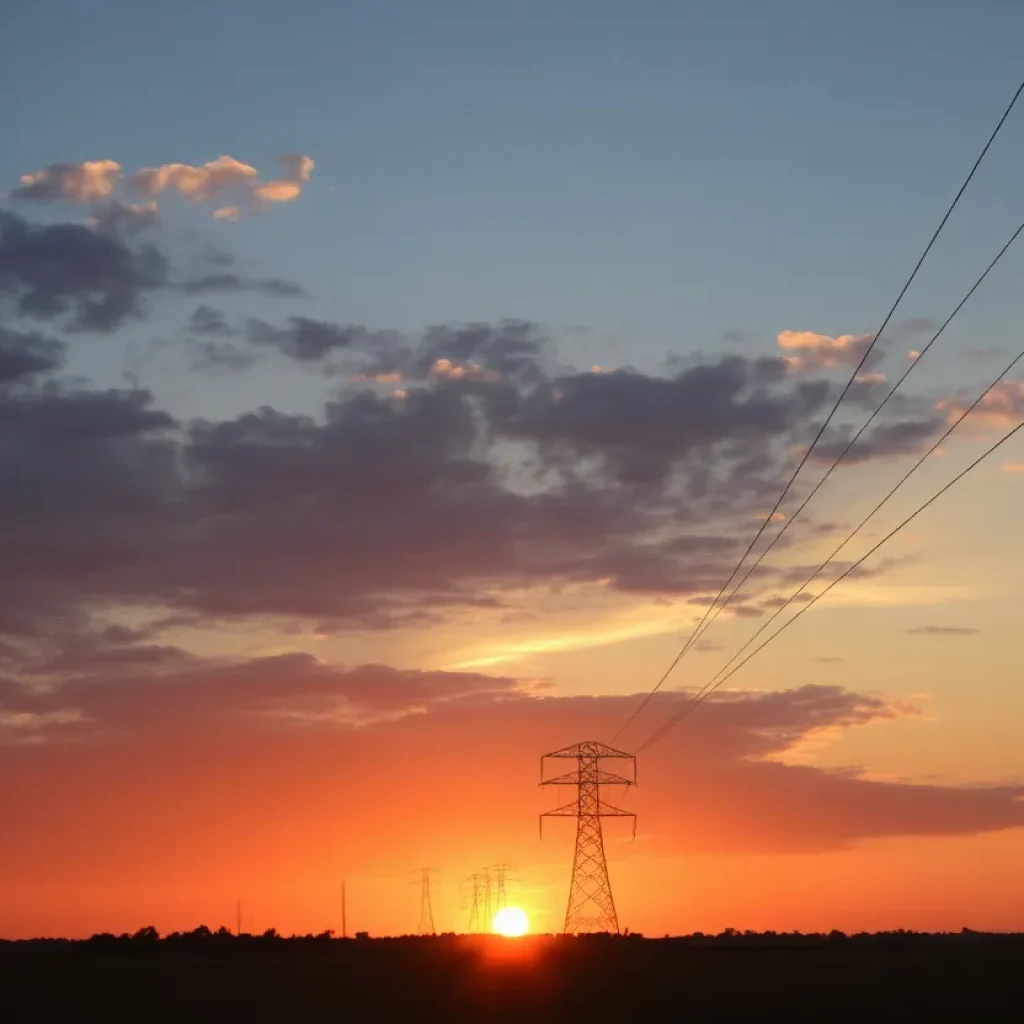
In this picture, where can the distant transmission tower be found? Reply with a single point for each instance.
(591, 907)
(501, 873)
(487, 924)
(479, 902)
(426, 908)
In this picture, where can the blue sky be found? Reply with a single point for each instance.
(656, 172)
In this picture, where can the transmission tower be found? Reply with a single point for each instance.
(591, 907)
(501, 873)
(426, 926)
(487, 924)
(479, 902)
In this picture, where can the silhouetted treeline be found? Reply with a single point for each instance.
(214, 975)
(205, 937)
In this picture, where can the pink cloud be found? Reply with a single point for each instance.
(454, 371)
(297, 169)
(224, 178)
(197, 184)
(814, 351)
(1002, 407)
(86, 182)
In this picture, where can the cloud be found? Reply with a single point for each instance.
(296, 169)
(916, 325)
(26, 355)
(74, 275)
(226, 176)
(901, 437)
(447, 369)
(118, 218)
(209, 332)
(820, 351)
(134, 687)
(290, 716)
(943, 631)
(306, 340)
(521, 478)
(297, 166)
(86, 182)
(228, 282)
(1002, 406)
(1013, 467)
(197, 184)
(233, 184)
(208, 321)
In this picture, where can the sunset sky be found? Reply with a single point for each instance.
(387, 387)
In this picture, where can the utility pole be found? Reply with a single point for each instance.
(591, 907)
(426, 926)
(344, 908)
(238, 917)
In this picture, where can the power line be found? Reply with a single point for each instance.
(690, 707)
(906, 373)
(711, 684)
(821, 568)
(828, 419)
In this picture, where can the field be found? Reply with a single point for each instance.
(200, 976)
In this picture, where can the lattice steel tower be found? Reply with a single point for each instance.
(480, 902)
(426, 926)
(591, 907)
(501, 878)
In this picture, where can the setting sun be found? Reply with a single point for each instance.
(511, 922)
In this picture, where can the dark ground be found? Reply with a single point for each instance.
(199, 977)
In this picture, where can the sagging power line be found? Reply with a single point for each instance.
(716, 680)
(715, 604)
(692, 705)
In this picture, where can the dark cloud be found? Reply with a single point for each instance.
(210, 323)
(394, 510)
(639, 427)
(137, 687)
(72, 274)
(88, 480)
(26, 355)
(943, 631)
(256, 717)
(306, 340)
(124, 219)
(916, 325)
(227, 282)
(902, 437)
(512, 349)
(209, 342)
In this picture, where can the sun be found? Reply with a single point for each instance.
(511, 922)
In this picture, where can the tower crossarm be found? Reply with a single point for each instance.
(601, 777)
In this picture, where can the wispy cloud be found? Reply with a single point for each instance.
(943, 631)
